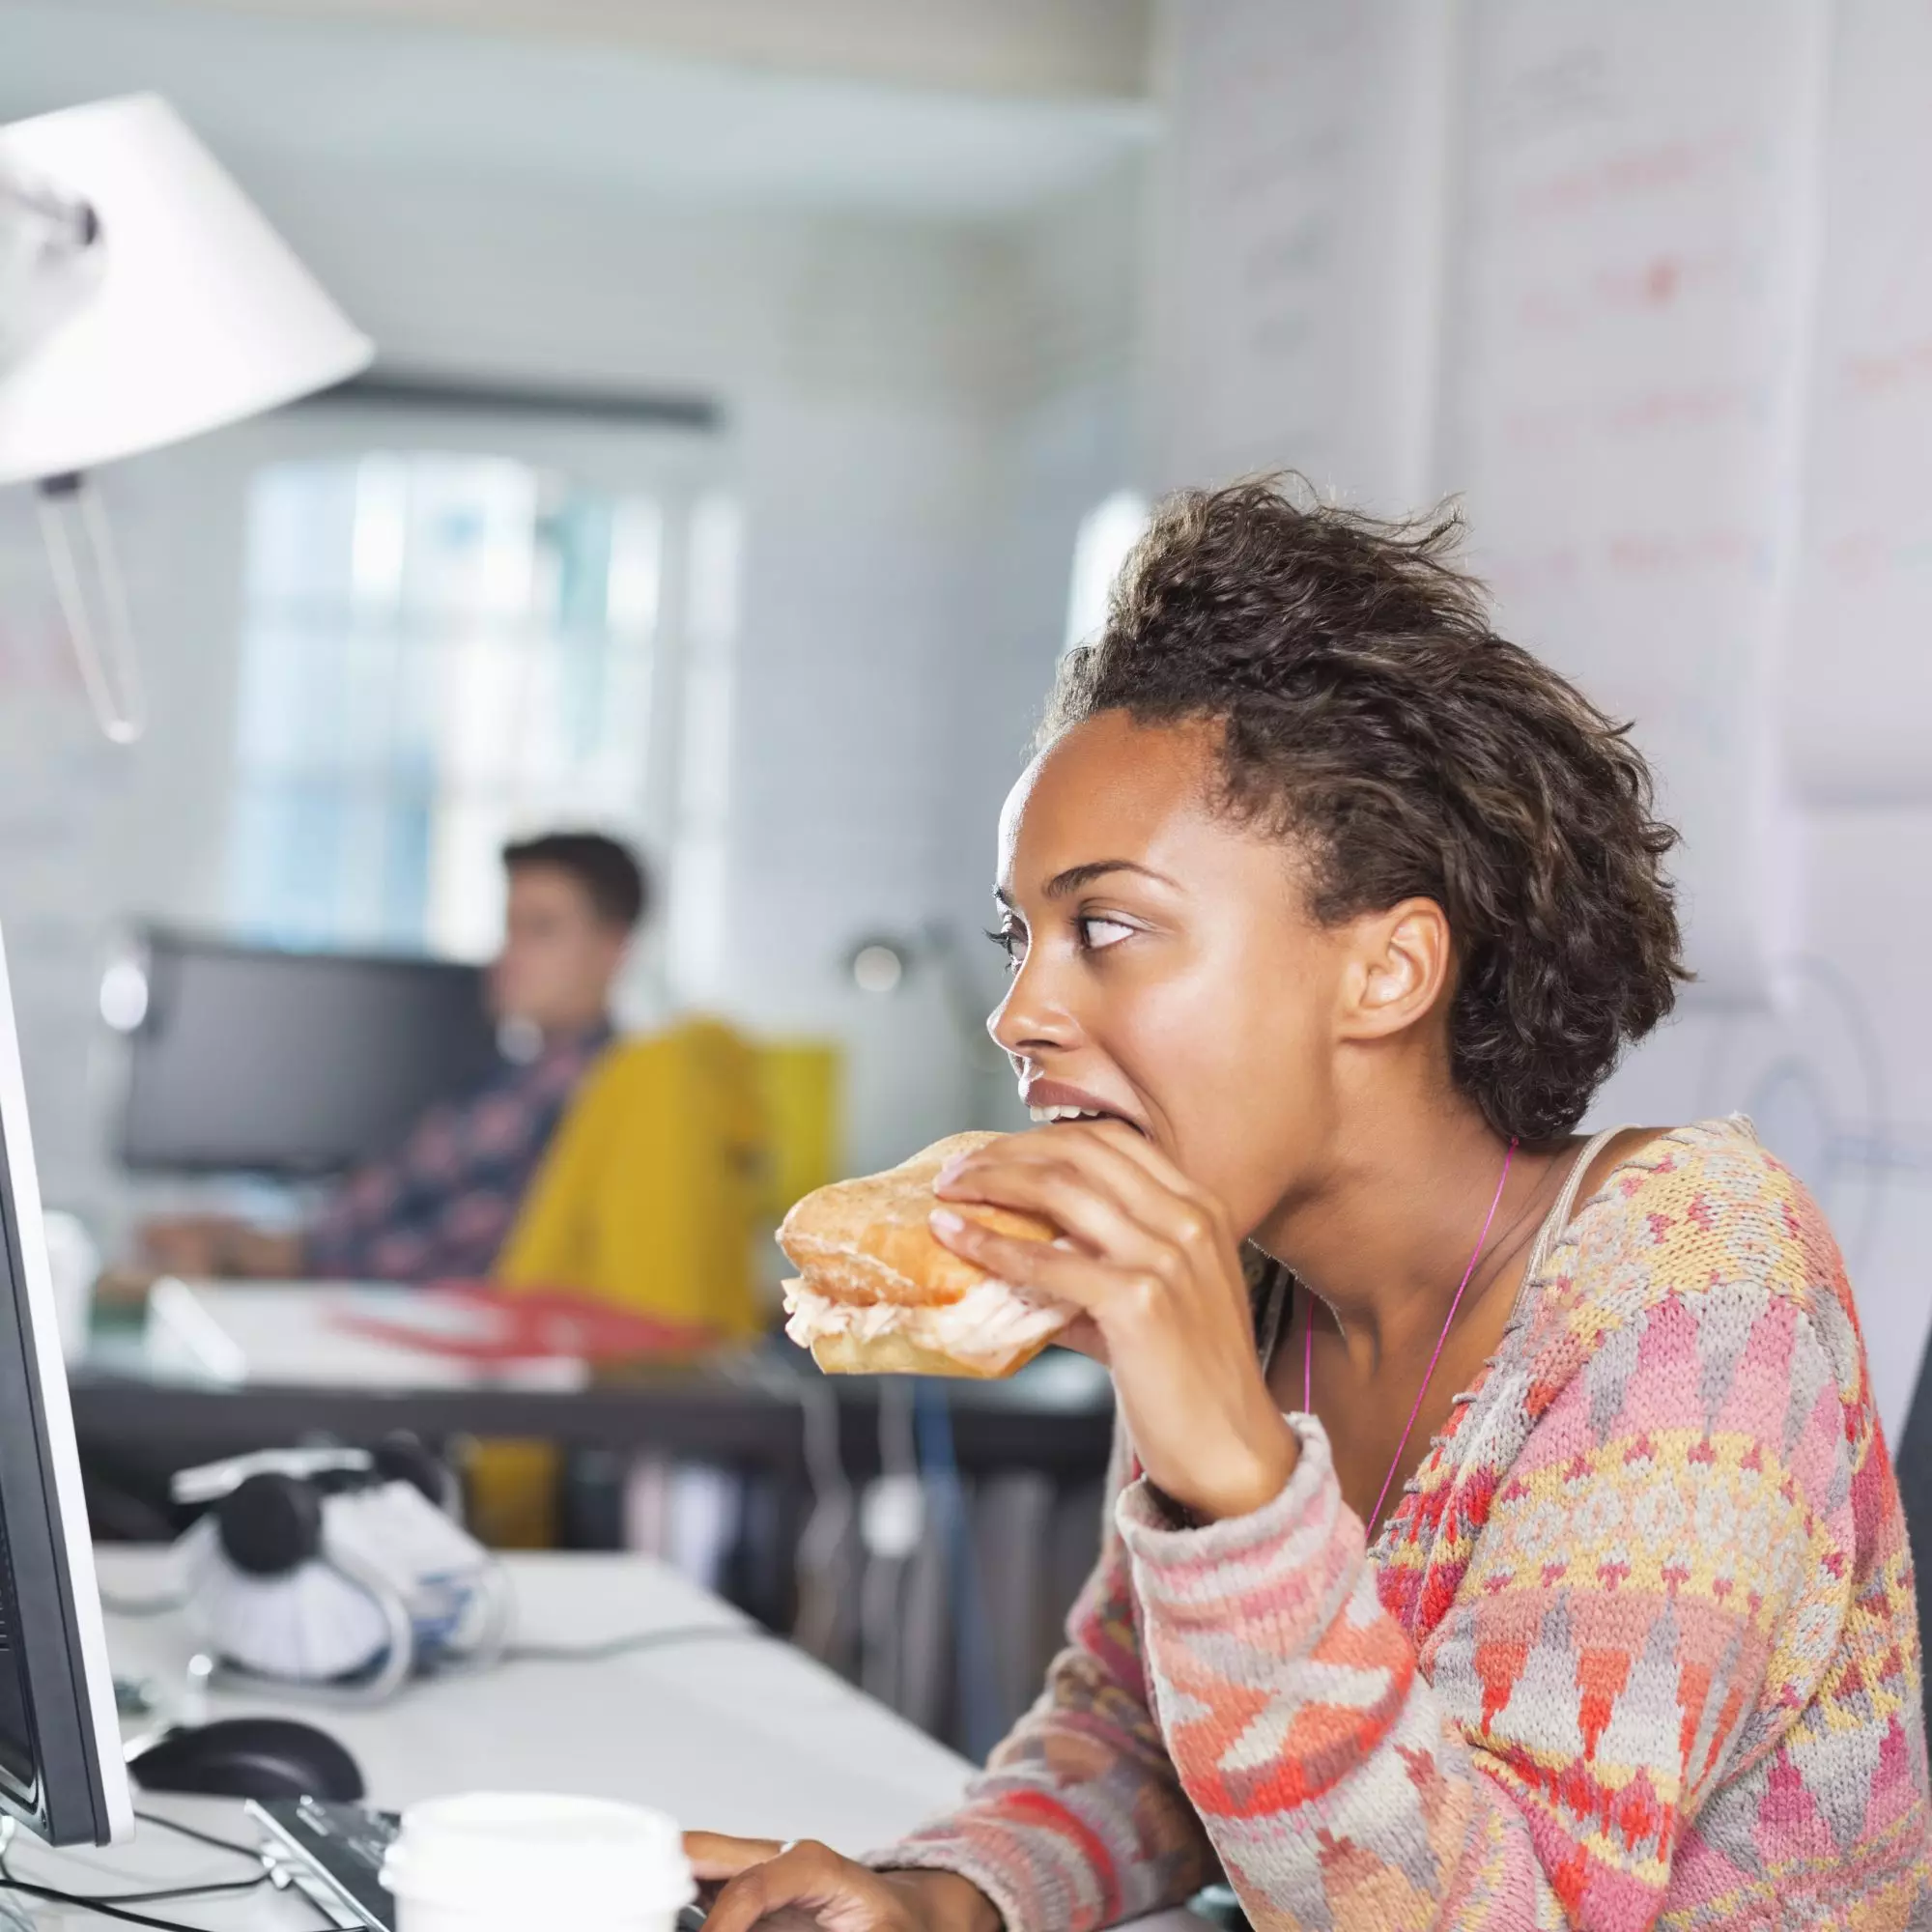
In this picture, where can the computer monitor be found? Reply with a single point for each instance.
(61, 1773)
(253, 1060)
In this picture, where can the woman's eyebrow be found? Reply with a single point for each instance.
(1063, 884)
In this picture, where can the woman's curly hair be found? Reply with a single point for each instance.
(1372, 714)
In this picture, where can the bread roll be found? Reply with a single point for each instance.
(880, 1296)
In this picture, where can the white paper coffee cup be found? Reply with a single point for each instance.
(503, 1862)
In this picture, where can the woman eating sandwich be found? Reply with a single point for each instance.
(1503, 1533)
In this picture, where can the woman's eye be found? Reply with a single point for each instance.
(1097, 934)
(1011, 940)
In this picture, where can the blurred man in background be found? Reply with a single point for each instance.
(439, 1207)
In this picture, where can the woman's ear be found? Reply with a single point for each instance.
(1398, 966)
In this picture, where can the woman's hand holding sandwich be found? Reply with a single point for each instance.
(1152, 1264)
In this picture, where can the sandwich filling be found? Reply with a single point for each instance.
(992, 1317)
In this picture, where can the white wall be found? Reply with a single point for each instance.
(1299, 287)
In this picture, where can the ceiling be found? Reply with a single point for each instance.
(996, 47)
(733, 102)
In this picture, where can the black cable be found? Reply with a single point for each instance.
(214, 1889)
(108, 1908)
(51, 1898)
(159, 1895)
(250, 1852)
(626, 1646)
(114, 1905)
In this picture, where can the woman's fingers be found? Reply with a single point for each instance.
(1099, 1184)
(1090, 1215)
(1136, 1148)
(1106, 1154)
(807, 1883)
(1132, 1240)
(1045, 1267)
(714, 1855)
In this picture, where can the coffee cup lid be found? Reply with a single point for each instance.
(494, 1848)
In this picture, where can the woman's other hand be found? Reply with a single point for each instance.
(201, 1247)
(190, 1245)
(1153, 1262)
(810, 1885)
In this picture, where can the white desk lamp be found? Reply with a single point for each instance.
(143, 300)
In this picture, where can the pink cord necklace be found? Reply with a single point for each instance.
(1308, 1347)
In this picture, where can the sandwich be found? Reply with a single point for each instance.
(877, 1294)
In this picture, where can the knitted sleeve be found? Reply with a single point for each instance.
(1660, 1579)
(1079, 1819)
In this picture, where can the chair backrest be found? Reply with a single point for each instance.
(803, 1082)
(651, 1192)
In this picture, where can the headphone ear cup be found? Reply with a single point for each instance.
(269, 1524)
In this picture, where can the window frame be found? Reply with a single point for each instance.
(686, 469)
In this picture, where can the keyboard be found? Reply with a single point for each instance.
(334, 1855)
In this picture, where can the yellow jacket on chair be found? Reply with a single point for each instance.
(648, 1198)
(650, 1193)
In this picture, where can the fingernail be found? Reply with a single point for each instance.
(950, 1171)
(943, 1221)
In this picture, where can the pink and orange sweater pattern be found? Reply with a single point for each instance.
(1638, 1649)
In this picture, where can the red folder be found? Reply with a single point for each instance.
(477, 1322)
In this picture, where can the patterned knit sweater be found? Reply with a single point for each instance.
(1639, 1648)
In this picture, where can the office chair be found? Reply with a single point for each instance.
(1912, 1463)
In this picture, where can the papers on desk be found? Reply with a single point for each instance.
(327, 1335)
(362, 1335)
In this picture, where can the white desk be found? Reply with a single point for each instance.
(740, 1735)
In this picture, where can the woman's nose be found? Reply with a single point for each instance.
(1030, 1018)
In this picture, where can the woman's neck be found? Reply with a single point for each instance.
(1385, 1235)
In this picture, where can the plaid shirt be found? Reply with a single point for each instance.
(441, 1206)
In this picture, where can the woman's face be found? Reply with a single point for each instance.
(1165, 970)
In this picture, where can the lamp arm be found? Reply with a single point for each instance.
(73, 517)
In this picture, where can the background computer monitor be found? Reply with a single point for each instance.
(253, 1060)
(61, 1767)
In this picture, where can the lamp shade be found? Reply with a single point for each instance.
(199, 316)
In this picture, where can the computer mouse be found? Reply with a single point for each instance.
(249, 1757)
